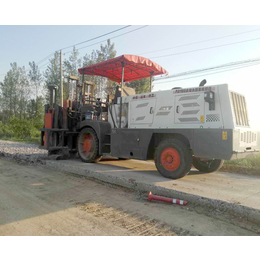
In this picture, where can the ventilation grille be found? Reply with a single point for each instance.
(142, 105)
(191, 105)
(163, 113)
(140, 118)
(248, 137)
(166, 108)
(213, 118)
(189, 119)
(240, 109)
(189, 97)
(190, 112)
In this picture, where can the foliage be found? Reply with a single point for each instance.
(72, 64)
(52, 74)
(20, 128)
(140, 86)
(103, 86)
(35, 78)
(15, 91)
(23, 95)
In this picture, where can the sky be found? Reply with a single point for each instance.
(23, 44)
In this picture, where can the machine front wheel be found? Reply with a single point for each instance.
(87, 146)
(207, 165)
(173, 159)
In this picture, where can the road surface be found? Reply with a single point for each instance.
(40, 201)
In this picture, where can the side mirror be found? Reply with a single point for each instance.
(210, 98)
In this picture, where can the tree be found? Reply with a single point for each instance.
(106, 52)
(140, 86)
(35, 77)
(72, 64)
(23, 90)
(52, 74)
(15, 92)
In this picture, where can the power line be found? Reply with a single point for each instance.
(37, 63)
(96, 37)
(188, 44)
(45, 58)
(106, 39)
(44, 65)
(231, 64)
(109, 38)
(83, 42)
(241, 67)
(179, 53)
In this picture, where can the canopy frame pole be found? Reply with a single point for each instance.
(83, 86)
(122, 82)
(61, 81)
(151, 81)
(68, 87)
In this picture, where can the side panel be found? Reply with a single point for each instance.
(181, 108)
(213, 143)
(206, 143)
(130, 143)
(189, 108)
(134, 143)
(142, 111)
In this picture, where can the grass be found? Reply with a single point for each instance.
(250, 162)
(14, 139)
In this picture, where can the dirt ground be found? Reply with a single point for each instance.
(39, 201)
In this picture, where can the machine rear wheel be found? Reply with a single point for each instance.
(173, 159)
(87, 145)
(207, 165)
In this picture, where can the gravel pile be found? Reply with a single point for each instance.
(23, 152)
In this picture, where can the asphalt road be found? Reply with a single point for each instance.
(40, 201)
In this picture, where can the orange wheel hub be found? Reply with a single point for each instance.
(170, 159)
(88, 143)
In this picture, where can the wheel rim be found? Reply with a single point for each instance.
(170, 159)
(86, 145)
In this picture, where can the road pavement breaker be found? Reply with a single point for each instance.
(177, 128)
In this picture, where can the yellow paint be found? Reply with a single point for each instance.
(201, 119)
(224, 135)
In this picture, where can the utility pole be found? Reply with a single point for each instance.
(61, 80)
(36, 97)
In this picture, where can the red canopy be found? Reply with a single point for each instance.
(135, 67)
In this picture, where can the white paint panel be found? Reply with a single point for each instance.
(189, 108)
(142, 111)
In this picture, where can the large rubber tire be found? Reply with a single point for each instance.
(207, 166)
(87, 146)
(173, 159)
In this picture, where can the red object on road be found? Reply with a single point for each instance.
(170, 200)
